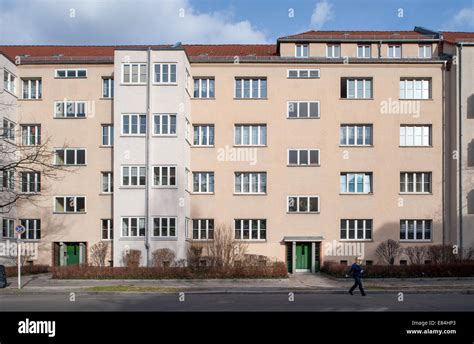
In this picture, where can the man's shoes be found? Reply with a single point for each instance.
(350, 292)
(364, 294)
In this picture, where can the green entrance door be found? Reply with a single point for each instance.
(303, 257)
(72, 251)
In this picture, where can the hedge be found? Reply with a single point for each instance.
(12, 271)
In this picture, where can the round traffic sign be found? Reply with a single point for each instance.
(20, 229)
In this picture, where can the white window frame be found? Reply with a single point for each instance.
(414, 86)
(301, 49)
(29, 82)
(130, 169)
(140, 229)
(168, 169)
(208, 182)
(139, 80)
(30, 139)
(416, 177)
(109, 228)
(200, 81)
(298, 156)
(425, 51)
(261, 187)
(139, 127)
(169, 116)
(363, 224)
(161, 82)
(207, 229)
(75, 211)
(260, 230)
(331, 50)
(107, 182)
(365, 89)
(298, 108)
(36, 182)
(308, 200)
(303, 73)
(66, 72)
(425, 135)
(9, 81)
(32, 226)
(424, 229)
(107, 140)
(363, 48)
(252, 80)
(109, 81)
(200, 129)
(168, 226)
(9, 228)
(391, 49)
(364, 175)
(7, 180)
(56, 161)
(9, 132)
(66, 105)
(349, 127)
(250, 128)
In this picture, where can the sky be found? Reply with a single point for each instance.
(88, 22)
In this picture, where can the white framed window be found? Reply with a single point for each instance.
(30, 182)
(69, 204)
(71, 73)
(364, 51)
(203, 182)
(303, 73)
(203, 135)
(424, 51)
(303, 157)
(204, 88)
(107, 182)
(356, 229)
(250, 183)
(250, 88)
(70, 156)
(333, 50)
(8, 228)
(415, 135)
(134, 124)
(250, 229)
(356, 183)
(164, 124)
(31, 88)
(303, 109)
(107, 135)
(203, 229)
(301, 50)
(107, 87)
(7, 179)
(355, 88)
(133, 176)
(394, 51)
(9, 81)
(33, 229)
(164, 175)
(8, 129)
(164, 73)
(107, 229)
(70, 109)
(415, 88)
(416, 230)
(134, 73)
(302, 204)
(250, 134)
(164, 227)
(355, 135)
(133, 227)
(415, 182)
(30, 134)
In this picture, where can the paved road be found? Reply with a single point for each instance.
(237, 302)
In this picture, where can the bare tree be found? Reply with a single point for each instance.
(163, 257)
(131, 258)
(416, 254)
(99, 253)
(388, 251)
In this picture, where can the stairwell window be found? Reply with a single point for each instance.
(415, 88)
(356, 229)
(31, 134)
(69, 204)
(165, 73)
(31, 88)
(71, 73)
(394, 51)
(250, 135)
(303, 109)
(424, 51)
(107, 229)
(33, 229)
(133, 226)
(416, 230)
(250, 182)
(333, 50)
(250, 229)
(250, 88)
(107, 182)
(164, 227)
(204, 88)
(133, 176)
(415, 182)
(303, 73)
(355, 135)
(356, 88)
(107, 87)
(30, 182)
(70, 156)
(107, 135)
(356, 183)
(301, 50)
(164, 176)
(134, 73)
(70, 109)
(164, 124)
(8, 228)
(203, 182)
(415, 135)
(203, 229)
(134, 124)
(303, 204)
(303, 157)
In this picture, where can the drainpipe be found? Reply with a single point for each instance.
(443, 77)
(460, 234)
(147, 160)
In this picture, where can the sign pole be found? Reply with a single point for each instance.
(19, 262)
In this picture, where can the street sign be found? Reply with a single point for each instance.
(20, 229)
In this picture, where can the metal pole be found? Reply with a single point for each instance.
(19, 262)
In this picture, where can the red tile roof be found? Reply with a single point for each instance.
(231, 50)
(454, 37)
(357, 35)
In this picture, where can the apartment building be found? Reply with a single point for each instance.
(318, 147)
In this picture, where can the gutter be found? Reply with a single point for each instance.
(460, 234)
(147, 160)
(443, 196)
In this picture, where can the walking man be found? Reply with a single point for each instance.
(356, 271)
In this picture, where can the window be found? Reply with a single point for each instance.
(134, 124)
(303, 109)
(31, 135)
(70, 156)
(302, 50)
(33, 229)
(416, 230)
(107, 182)
(69, 204)
(356, 229)
(8, 129)
(355, 135)
(303, 157)
(333, 50)
(133, 226)
(356, 88)
(415, 182)
(107, 229)
(30, 182)
(31, 88)
(203, 229)
(303, 73)
(363, 51)
(7, 179)
(394, 51)
(415, 135)
(250, 182)
(164, 124)
(107, 135)
(250, 135)
(250, 88)
(165, 73)
(164, 227)
(164, 175)
(9, 81)
(133, 175)
(71, 73)
(204, 88)
(107, 87)
(203, 135)
(70, 109)
(203, 182)
(134, 73)
(250, 229)
(415, 88)
(424, 51)
(8, 228)
(356, 183)
(303, 204)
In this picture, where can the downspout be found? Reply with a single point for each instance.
(443, 197)
(460, 147)
(147, 159)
